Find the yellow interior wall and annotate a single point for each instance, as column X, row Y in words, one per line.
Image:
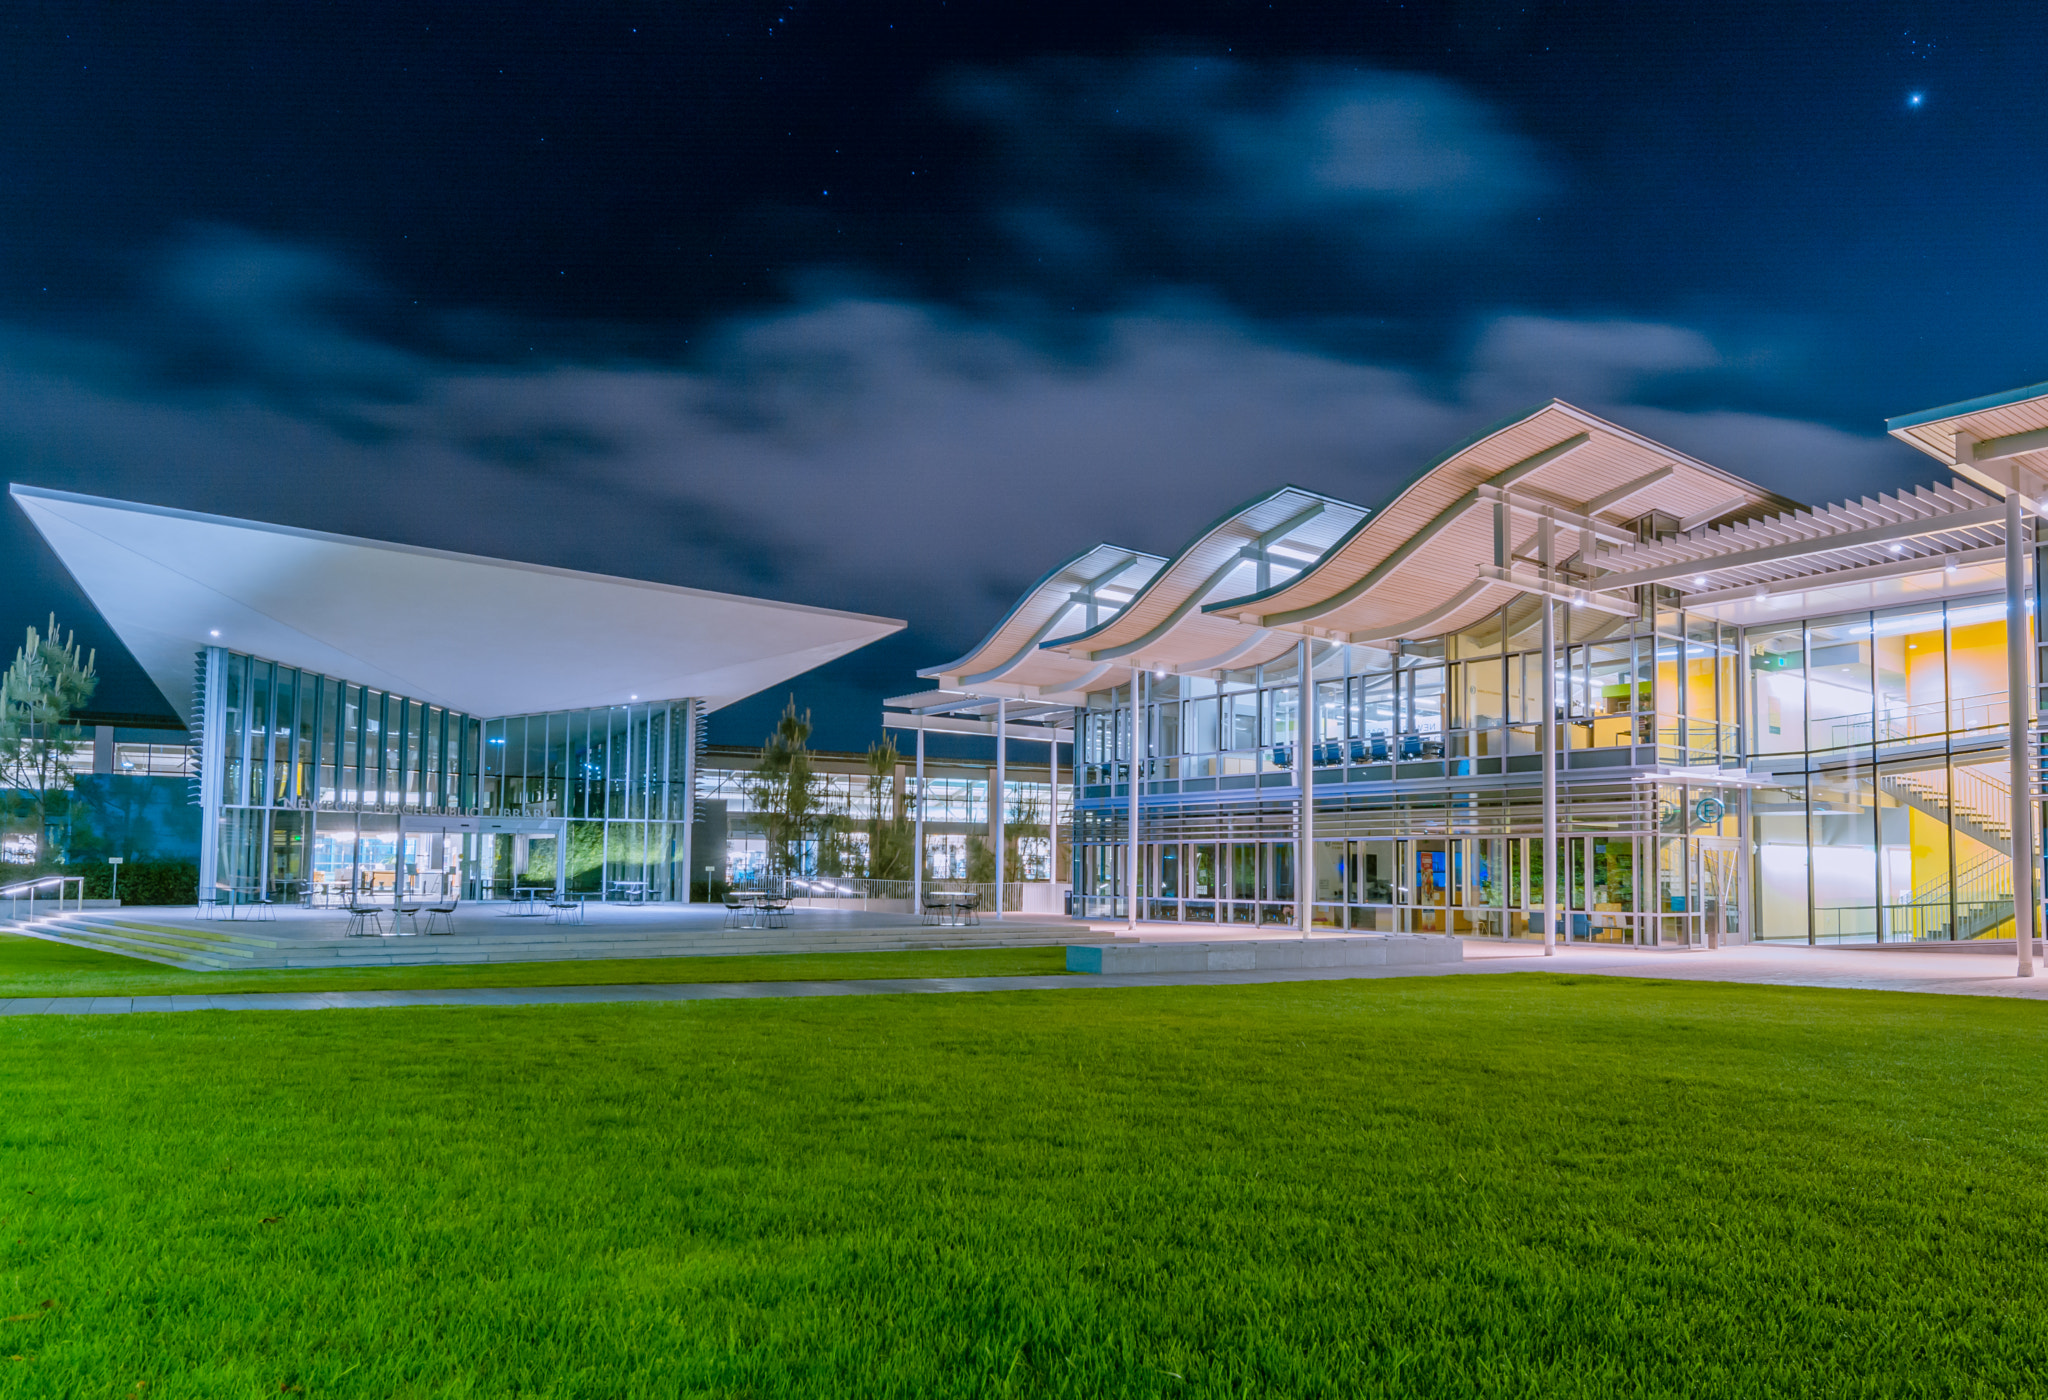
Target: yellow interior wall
column 1928, row 842
column 1923, row 668
column 1977, row 660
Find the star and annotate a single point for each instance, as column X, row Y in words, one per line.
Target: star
column 1914, row 99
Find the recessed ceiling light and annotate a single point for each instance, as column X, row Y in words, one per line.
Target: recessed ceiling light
column 214, row 633
column 1699, row 580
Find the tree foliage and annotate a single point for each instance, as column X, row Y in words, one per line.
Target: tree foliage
column 789, row 796
column 891, row 833
column 47, row 684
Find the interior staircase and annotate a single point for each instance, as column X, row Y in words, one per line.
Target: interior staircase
column 1980, row 807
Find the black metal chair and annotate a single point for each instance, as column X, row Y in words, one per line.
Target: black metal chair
column 362, row 918
column 443, row 912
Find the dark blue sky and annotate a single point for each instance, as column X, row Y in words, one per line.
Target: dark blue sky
column 889, row 306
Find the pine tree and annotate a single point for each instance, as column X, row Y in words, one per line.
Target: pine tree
column 40, row 692
column 788, row 794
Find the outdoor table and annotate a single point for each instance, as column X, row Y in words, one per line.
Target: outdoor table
column 951, row 906
column 753, row 907
column 532, row 898
column 630, row 891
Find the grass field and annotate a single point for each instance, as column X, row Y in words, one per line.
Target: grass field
column 35, row 967
column 1504, row 1185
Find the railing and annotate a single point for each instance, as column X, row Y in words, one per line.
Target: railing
column 1984, row 797
column 1696, row 743
column 25, row 892
column 850, row 892
column 1929, row 719
column 1921, row 921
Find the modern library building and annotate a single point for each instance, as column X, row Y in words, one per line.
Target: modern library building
column 375, row 717
column 1565, row 683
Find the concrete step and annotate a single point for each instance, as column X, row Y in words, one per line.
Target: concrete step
column 79, row 938
column 213, row 948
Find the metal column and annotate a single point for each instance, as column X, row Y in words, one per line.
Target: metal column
column 690, row 804
column 2019, row 689
column 1131, row 829
column 1305, row 779
column 996, row 798
column 1549, row 708
column 917, row 824
column 1052, row 808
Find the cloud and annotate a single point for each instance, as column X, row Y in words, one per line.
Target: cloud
column 1523, row 359
column 1199, row 169
column 878, row 454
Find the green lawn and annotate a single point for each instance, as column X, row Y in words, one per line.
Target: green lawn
column 34, row 967
column 1504, row 1185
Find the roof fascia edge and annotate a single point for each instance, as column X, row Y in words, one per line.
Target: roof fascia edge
column 19, row 491
column 1414, row 543
column 1211, row 528
column 1024, row 598
column 1506, row 476
column 1967, row 406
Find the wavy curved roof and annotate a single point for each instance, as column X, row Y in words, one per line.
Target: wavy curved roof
column 1093, row 584
column 1420, row 565
column 1293, row 563
column 1274, row 535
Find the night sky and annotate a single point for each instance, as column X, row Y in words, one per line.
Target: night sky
column 892, row 306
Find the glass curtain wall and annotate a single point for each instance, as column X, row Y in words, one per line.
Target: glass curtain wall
column 1391, row 732
column 616, row 775
column 309, row 775
column 1885, row 733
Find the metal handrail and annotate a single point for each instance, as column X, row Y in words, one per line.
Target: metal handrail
column 13, row 893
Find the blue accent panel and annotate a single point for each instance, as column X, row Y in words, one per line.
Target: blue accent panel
column 1967, row 406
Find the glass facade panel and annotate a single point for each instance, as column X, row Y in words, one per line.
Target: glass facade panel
column 616, row 776
column 314, row 774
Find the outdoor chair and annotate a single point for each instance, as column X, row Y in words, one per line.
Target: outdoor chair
column 776, row 911
column 561, row 910
column 363, row 919
column 968, row 908
column 445, row 913
column 735, row 913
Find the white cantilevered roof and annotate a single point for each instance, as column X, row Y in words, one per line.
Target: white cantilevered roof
column 486, row 636
column 1987, row 439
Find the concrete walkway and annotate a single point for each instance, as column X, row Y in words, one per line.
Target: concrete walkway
column 1956, row 974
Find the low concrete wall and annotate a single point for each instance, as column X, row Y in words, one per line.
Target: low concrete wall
column 1257, row 955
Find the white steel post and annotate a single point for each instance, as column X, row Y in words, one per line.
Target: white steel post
column 1052, row 807
column 1549, row 708
column 1305, row 779
column 2019, row 707
column 1131, row 824
column 917, row 829
column 1002, row 789
column 689, row 801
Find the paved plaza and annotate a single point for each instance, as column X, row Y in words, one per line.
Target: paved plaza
column 1987, row 973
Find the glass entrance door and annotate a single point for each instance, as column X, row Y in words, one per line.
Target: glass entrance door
column 1716, row 883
